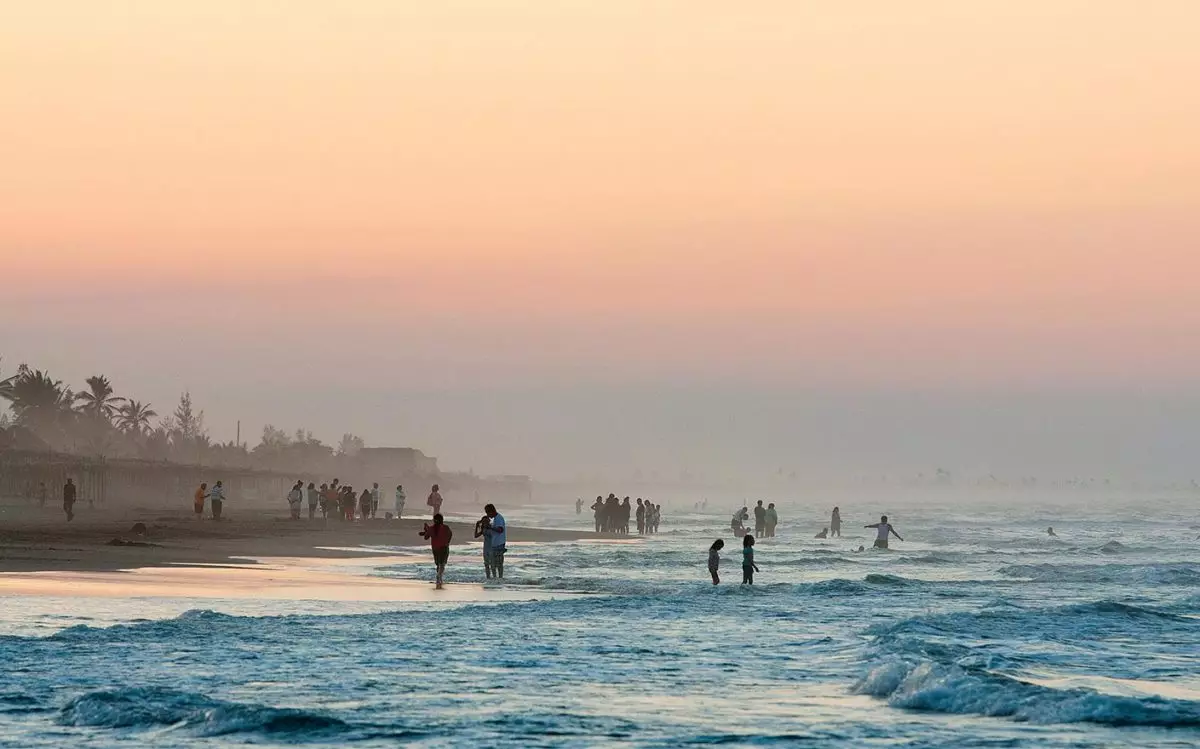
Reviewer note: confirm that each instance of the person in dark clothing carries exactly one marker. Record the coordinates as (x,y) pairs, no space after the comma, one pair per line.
(760,518)
(641,517)
(439,535)
(69,494)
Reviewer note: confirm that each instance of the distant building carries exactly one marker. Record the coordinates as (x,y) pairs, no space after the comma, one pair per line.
(396,462)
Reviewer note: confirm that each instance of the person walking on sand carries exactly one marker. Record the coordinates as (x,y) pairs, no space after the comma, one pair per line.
(714,560)
(439,535)
(374,500)
(760,518)
(748,565)
(216,498)
(198,500)
(314,498)
(400,500)
(835,523)
(481,526)
(69,494)
(499,533)
(884,529)
(772,520)
(295,498)
(435,500)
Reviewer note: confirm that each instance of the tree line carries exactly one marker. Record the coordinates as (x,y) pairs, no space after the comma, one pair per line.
(45,414)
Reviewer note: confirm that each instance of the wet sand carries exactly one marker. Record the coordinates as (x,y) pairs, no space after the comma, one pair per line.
(36,539)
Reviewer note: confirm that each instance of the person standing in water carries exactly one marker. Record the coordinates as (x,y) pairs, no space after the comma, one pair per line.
(435,500)
(198,501)
(772,520)
(499,533)
(884,529)
(69,494)
(835,523)
(439,535)
(400,500)
(216,498)
(714,560)
(760,518)
(481,527)
(748,565)
(598,512)
(578,505)
(641,517)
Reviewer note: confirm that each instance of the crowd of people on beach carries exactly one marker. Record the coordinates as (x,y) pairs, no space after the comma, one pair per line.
(333,500)
(613,515)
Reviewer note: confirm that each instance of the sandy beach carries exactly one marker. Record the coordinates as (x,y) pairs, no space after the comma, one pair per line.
(34,539)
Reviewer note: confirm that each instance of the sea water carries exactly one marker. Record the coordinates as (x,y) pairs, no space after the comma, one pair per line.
(979,630)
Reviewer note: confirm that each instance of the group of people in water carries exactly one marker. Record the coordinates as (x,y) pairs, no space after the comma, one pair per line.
(765,520)
(613,515)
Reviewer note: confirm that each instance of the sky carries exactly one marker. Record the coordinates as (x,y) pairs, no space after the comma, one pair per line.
(588,237)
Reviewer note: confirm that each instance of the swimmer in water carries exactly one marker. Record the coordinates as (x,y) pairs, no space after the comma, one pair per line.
(1050,531)
(823,534)
(884,529)
(714,560)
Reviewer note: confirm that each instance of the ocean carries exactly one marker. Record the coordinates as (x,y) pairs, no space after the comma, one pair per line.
(979,630)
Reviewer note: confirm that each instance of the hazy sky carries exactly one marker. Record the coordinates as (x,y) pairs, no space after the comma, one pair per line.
(516,232)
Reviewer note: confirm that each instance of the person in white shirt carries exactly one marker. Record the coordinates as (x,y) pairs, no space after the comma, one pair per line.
(884,529)
(498,533)
(400,500)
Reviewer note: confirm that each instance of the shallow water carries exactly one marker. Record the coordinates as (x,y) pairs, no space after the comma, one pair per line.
(978,630)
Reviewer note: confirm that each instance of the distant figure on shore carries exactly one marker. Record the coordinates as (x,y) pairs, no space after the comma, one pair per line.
(314,498)
(439,535)
(400,500)
(640,516)
(499,533)
(624,519)
(598,513)
(760,518)
(823,534)
(481,526)
(657,516)
(435,500)
(216,498)
(349,502)
(198,501)
(374,500)
(714,560)
(884,529)
(295,498)
(365,503)
(1050,531)
(748,565)
(328,500)
(43,494)
(772,520)
(578,505)
(69,494)
(835,523)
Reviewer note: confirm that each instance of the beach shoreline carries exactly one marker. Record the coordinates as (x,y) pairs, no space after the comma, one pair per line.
(34,539)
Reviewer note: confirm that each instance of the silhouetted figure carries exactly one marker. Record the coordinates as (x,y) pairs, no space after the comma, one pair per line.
(714,560)
(748,565)
(641,517)
(625,510)
(481,527)
(884,529)
(1050,531)
(314,498)
(439,535)
(365,503)
(835,523)
(772,520)
(598,513)
(578,505)
(760,518)
(374,499)
(435,500)
(43,494)
(823,534)
(69,494)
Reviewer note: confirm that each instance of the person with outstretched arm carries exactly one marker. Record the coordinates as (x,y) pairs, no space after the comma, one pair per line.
(884,529)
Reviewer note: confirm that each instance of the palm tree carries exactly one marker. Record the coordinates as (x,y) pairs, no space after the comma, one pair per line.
(98,400)
(6,386)
(133,417)
(39,402)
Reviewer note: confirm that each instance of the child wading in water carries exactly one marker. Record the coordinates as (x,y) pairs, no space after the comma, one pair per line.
(439,535)
(748,565)
(714,560)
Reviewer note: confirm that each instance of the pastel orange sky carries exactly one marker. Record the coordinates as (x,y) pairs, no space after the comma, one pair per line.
(991,193)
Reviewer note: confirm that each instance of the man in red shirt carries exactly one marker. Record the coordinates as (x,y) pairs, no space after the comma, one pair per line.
(439,535)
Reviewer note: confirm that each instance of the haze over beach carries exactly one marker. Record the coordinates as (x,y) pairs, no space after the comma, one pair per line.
(924,274)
